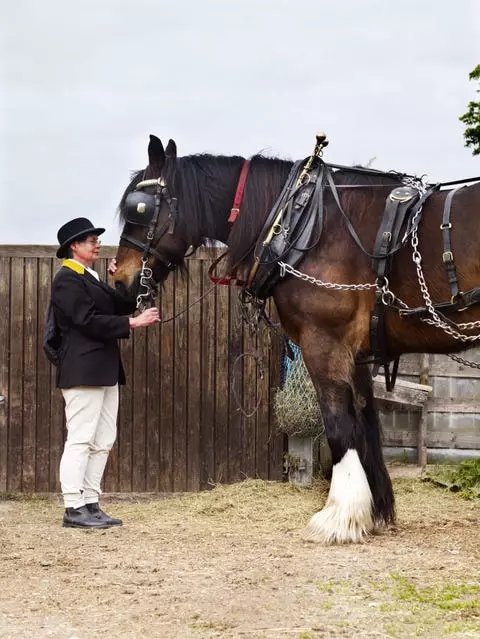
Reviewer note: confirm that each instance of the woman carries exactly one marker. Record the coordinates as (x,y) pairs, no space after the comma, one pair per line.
(90,316)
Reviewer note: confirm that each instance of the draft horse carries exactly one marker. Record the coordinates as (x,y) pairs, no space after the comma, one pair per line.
(345,282)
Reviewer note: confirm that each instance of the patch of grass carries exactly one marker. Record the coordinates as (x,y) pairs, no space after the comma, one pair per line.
(208,625)
(25,497)
(463,479)
(463,598)
(332,586)
(468,629)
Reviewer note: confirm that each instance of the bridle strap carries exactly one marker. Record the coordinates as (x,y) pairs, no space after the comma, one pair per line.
(146,247)
(129,241)
(237,200)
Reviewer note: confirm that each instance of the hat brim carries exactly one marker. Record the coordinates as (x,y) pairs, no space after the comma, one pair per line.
(61,252)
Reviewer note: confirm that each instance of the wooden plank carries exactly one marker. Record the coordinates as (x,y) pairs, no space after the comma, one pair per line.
(445,439)
(153,409)
(442,365)
(207,406)
(58,433)
(167,366)
(249,400)
(263,426)
(29,375)
(58,430)
(206,253)
(236,396)
(180,408)
(43,251)
(423,421)
(221,385)
(4,367)
(194,372)
(400,438)
(454,405)
(44,386)
(301,460)
(15,431)
(278,441)
(405,393)
(125,419)
(139,384)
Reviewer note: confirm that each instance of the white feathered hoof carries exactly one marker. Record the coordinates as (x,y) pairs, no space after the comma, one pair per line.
(347,515)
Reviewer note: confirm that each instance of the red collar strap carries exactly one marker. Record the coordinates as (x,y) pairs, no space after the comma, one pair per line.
(237,201)
(226,280)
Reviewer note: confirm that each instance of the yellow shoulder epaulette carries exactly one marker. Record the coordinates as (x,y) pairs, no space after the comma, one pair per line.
(78,268)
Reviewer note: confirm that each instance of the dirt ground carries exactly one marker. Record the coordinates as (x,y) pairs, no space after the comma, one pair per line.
(231,563)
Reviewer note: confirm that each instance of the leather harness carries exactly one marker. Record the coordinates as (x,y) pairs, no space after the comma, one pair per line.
(402,205)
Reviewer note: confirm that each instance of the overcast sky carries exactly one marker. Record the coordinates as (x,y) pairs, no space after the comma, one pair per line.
(84,83)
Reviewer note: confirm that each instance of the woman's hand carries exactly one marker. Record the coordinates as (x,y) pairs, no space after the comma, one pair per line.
(112,267)
(148,317)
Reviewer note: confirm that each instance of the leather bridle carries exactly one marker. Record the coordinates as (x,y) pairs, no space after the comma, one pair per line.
(143,209)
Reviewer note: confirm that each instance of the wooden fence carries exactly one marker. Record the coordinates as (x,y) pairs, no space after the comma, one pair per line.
(180,426)
(453,409)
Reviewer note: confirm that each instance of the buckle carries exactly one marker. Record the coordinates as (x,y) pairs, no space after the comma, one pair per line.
(444,227)
(455,299)
(447,257)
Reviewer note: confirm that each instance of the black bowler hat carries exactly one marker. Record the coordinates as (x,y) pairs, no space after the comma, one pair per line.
(73,230)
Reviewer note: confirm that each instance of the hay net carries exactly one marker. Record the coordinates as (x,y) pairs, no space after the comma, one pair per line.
(295,403)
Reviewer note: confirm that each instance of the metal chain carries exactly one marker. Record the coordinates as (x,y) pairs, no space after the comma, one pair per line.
(146,279)
(286,268)
(465,362)
(436,321)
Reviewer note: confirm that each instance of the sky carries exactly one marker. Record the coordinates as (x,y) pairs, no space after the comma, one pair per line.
(83,84)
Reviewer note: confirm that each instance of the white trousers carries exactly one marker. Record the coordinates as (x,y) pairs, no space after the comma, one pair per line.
(91,413)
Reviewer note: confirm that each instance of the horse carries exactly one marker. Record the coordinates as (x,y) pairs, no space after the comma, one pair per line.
(326,308)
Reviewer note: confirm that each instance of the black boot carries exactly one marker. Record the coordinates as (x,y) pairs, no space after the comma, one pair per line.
(97,512)
(82,518)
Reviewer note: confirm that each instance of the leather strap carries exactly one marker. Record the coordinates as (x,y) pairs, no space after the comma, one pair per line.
(227,280)
(237,200)
(447,257)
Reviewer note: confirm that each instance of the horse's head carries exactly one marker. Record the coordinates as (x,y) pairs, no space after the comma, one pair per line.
(150,246)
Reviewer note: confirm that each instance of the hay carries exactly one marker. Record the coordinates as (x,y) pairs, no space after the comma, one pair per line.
(295,404)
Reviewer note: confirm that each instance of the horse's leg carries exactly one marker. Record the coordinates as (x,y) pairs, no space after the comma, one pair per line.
(350,509)
(373,462)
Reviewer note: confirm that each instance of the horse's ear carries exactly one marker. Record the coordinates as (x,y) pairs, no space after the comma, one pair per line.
(171,150)
(156,154)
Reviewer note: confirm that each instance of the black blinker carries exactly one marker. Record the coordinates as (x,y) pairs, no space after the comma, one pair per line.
(139,208)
